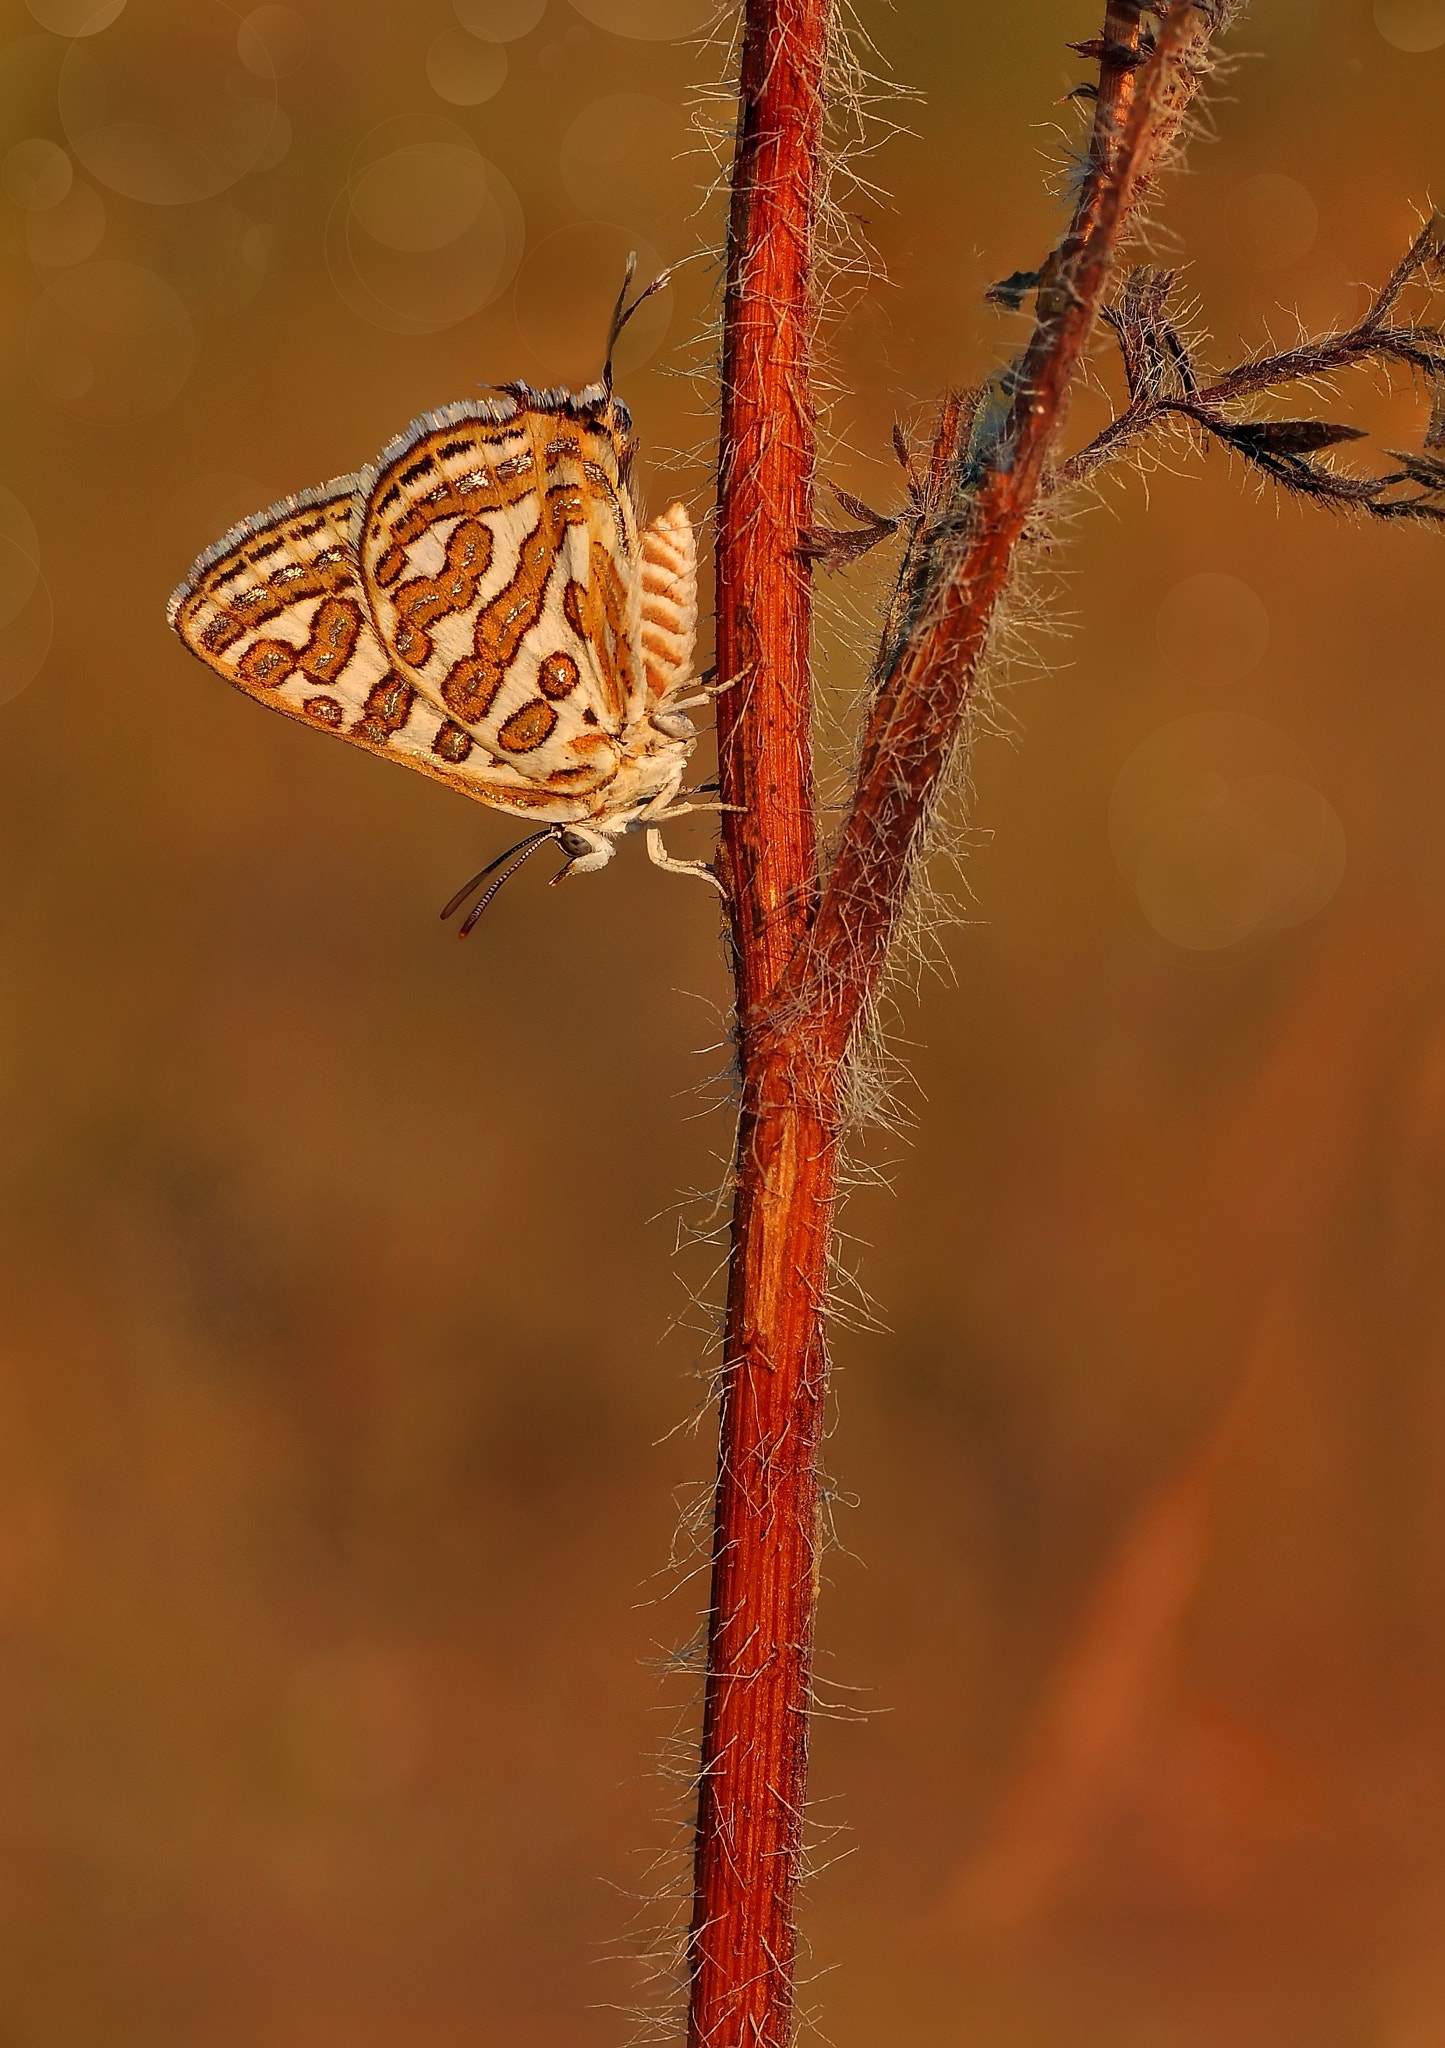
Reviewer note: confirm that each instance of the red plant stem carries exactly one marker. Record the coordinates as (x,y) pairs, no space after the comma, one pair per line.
(754,1760)
(806,965)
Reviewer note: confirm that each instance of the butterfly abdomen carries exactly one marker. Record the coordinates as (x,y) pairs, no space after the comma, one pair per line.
(669,602)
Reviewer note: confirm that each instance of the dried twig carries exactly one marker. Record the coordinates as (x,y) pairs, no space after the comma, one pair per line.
(1165,388)
(961,553)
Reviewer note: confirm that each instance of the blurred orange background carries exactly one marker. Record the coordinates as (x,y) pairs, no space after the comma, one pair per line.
(347,1347)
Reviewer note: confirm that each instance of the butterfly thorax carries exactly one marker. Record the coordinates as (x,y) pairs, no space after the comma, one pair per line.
(650,773)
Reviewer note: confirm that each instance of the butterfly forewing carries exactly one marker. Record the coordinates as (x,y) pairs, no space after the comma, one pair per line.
(498,546)
(278,609)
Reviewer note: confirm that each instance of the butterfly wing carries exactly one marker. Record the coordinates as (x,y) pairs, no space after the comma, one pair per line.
(498,546)
(278,609)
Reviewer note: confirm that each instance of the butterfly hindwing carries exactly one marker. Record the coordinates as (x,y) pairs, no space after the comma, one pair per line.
(277,608)
(499,550)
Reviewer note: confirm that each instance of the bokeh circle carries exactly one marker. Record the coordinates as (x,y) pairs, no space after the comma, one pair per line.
(165,134)
(272,42)
(464,70)
(1221,832)
(27,614)
(620,159)
(1212,628)
(110,341)
(1411,24)
(426,231)
(36,173)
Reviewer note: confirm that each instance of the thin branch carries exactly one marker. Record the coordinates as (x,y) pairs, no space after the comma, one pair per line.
(961,555)
(1140,323)
(753,1777)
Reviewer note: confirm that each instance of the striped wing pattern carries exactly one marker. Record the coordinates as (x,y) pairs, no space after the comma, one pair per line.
(498,554)
(277,608)
(478,605)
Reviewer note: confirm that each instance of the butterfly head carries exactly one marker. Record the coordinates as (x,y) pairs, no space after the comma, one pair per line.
(586,850)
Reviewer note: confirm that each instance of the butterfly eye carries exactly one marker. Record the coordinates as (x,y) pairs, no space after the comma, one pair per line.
(676,725)
(573,844)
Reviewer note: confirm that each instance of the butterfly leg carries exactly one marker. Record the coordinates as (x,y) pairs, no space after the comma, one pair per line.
(661,805)
(708,683)
(658,854)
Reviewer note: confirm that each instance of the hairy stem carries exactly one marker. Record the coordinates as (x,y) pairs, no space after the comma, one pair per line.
(754,1760)
(807,962)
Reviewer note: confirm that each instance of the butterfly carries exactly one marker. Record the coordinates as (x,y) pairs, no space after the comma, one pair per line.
(480,604)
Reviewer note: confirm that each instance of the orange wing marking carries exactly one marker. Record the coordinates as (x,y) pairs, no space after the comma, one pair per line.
(465,497)
(425,599)
(452,744)
(267,663)
(471,684)
(558,676)
(291,585)
(387,708)
(527,727)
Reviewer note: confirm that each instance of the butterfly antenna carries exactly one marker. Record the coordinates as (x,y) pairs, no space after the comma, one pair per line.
(505,876)
(620,317)
(622,312)
(532,840)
